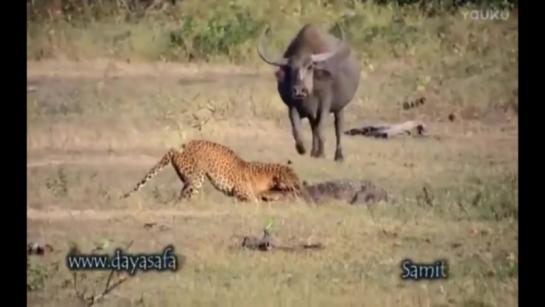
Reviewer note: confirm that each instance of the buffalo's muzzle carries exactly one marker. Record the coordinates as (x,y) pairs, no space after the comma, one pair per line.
(299,92)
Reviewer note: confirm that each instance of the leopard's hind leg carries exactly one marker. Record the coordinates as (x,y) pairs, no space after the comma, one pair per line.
(190,177)
(192,186)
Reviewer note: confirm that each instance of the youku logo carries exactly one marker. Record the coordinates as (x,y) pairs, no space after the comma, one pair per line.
(486,14)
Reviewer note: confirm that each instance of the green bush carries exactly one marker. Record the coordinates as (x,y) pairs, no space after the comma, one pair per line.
(220,34)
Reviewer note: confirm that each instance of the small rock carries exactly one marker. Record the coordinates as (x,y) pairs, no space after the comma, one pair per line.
(456,245)
(38,248)
(485,232)
(149,225)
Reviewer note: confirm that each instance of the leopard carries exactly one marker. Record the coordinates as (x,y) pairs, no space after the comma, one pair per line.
(196,160)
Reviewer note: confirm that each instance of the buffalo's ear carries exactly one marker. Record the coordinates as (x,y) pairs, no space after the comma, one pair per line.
(322,74)
(322,71)
(280,74)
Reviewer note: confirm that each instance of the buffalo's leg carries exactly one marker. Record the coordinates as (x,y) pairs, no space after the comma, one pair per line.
(315,140)
(321,140)
(318,133)
(295,120)
(339,124)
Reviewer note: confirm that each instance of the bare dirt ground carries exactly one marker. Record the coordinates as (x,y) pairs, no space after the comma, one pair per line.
(96,128)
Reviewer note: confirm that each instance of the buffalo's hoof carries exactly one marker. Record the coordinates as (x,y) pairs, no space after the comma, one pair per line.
(318,154)
(339,156)
(300,149)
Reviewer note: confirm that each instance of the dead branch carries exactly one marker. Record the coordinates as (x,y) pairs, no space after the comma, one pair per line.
(427,196)
(266,244)
(93,299)
(79,294)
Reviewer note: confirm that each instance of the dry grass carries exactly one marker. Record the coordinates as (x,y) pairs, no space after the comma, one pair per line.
(93,133)
(360,264)
(445,56)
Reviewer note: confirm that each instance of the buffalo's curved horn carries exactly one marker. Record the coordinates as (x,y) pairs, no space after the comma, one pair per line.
(320,57)
(341,48)
(262,53)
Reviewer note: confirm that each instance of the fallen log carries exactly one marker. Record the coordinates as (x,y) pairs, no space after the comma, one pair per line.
(388,131)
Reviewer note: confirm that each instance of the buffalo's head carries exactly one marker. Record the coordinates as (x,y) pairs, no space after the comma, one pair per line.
(299,70)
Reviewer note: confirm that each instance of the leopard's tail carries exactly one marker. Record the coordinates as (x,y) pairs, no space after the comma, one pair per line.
(164,162)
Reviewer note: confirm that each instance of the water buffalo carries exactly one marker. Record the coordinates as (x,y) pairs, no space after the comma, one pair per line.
(318,75)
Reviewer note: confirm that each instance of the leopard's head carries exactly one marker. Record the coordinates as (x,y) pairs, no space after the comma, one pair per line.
(284,178)
(287,180)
